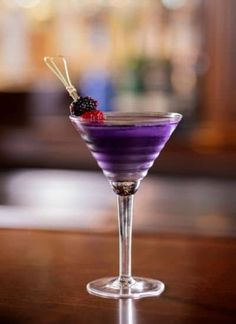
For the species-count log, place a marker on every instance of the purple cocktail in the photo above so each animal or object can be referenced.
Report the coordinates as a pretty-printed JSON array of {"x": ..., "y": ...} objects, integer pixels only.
[{"x": 125, "y": 146}]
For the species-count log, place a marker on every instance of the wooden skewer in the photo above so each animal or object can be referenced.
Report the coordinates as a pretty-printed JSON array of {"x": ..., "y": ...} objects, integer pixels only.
[{"x": 64, "y": 78}]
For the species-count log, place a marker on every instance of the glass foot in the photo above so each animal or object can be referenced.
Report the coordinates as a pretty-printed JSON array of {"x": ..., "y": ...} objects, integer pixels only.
[{"x": 113, "y": 288}]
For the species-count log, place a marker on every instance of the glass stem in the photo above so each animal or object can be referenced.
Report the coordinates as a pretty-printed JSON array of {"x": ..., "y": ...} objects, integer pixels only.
[{"x": 125, "y": 215}]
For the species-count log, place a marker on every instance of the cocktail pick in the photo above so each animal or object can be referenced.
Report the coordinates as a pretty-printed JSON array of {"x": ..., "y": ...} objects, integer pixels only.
[
  {"x": 64, "y": 78},
  {"x": 81, "y": 106}
]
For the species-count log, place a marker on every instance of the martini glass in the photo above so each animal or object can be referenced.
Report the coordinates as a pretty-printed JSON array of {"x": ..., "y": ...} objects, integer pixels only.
[{"x": 125, "y": 146}]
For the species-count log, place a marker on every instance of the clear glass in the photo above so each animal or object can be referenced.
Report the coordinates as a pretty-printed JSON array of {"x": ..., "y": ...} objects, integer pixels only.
[{"x": 125, "y": 146}]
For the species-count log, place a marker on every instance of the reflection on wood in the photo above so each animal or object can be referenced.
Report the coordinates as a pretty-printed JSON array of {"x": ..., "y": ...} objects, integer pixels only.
[{"x": 71, "y": 200}]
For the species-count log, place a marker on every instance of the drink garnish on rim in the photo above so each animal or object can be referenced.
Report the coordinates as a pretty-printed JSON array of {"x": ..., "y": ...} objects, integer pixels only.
[{"x": 86, "y": 107}]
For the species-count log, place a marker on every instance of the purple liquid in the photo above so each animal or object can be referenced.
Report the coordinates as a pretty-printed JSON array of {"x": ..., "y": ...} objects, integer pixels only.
[{"x": 125, "y": 150}]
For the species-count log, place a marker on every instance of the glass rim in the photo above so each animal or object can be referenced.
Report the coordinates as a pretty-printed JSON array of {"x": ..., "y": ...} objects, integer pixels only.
[{"x": 128, "y": 118}]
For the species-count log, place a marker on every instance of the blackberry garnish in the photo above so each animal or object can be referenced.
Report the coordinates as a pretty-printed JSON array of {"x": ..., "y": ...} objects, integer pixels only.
[{"x": 82, "y": 105}]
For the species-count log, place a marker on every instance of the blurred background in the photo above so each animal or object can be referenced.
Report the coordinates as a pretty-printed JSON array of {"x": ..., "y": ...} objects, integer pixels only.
[{"x": 130, "y": 55}]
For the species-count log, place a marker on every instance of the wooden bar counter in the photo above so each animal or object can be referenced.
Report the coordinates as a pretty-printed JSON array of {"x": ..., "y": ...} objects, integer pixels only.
[
  {"x": 43, "y": 278},
  {"x": 59, "y": 231}
]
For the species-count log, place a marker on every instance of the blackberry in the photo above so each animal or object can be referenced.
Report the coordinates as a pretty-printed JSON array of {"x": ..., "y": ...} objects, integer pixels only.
[{"x": 83, "y": 105}]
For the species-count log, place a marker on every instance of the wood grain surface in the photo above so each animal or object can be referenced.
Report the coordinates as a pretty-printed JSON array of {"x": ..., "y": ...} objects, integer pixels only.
[{"x": 43, "y": 277}]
